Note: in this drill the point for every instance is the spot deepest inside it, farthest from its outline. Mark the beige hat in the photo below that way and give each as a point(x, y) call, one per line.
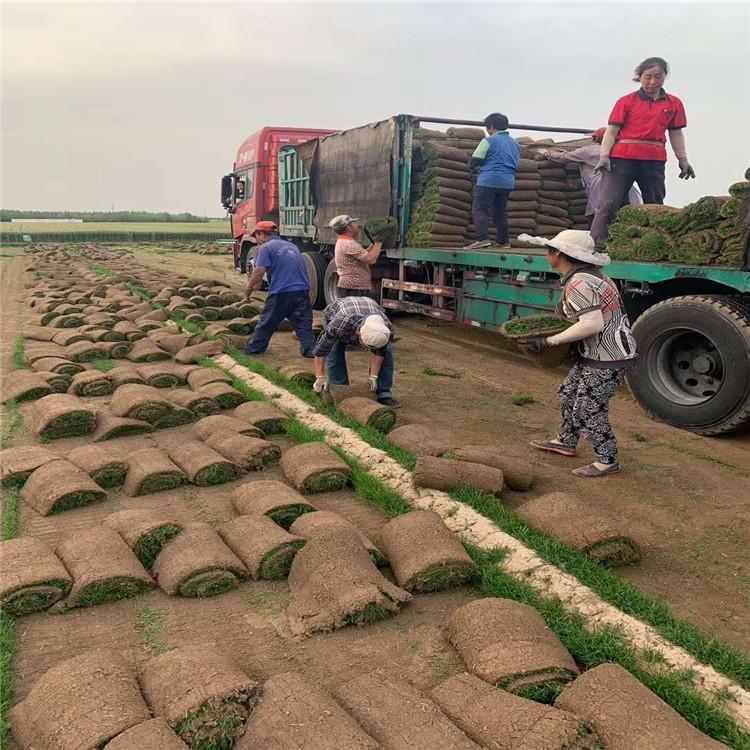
point(573, 242)
point(374, 333)
point(339, 222)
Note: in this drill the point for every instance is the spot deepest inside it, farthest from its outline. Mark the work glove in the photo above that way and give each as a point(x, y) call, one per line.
point(686, 171)
point(321, 384)
point(533, 346)
point(372, 382)
point(603, 165)
point(368, 235)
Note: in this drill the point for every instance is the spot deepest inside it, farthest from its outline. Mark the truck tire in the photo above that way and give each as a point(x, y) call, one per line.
point(693, 367)
point(331, 282)
point(315, 264)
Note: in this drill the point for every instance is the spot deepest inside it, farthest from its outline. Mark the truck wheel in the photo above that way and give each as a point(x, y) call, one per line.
point(693, 367)
point(315, 264)
point(331, 283)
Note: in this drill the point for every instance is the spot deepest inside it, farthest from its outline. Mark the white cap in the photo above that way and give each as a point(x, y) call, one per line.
point(573, 242)
point(342, 221)
point(374, 333)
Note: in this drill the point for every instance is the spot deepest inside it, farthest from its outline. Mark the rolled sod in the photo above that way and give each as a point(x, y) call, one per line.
point(58, 382)
point(517, 474)
point(448, 474)
point(25, 385)
point(57, 365)
point(40, 333)
point(334, 583)
point(698, 248)
point(101, 463)
point(108, 426)
point(398, 715)
point(164, 374)
point(314, 467)
point(145, 350)
point(175, 418)
point(103, 567)
point(191, 354)
point(197, 563)
point(123, 374)
point(153, 734)
point(91, 383)
point(271, 498)
point(263, 546)
point(533, 326)
point(294, 713)
point(84, 351)
point(117, 349)
point(129, 330)
point(315, 523)
point(240, 326)
point(201, 464)
point(705, 213)
point(150, 470)
point(424, 554)
point(223, 423)
point(508, 644)
point(369, 412)
point(33, 578)
point(199, 404)
point(141, 402)
point(201, 693)
point(627, 715)
point(582, 525)
point(298, 374)
point(499, 720)
point(217, 329)
point(204, 375)
point(145, 531)
point(17, 464)
point(422, 440)
point(59, 485)
point(226, 396)
point(251, 453)
point(266, 417)
point(80, 703)
point(35, 350)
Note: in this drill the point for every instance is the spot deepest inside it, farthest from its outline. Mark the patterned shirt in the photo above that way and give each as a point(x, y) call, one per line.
point(342, 321)
point(353, 272)
point(586, 289)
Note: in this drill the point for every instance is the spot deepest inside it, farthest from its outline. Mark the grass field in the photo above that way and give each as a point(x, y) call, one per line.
point(213, 226)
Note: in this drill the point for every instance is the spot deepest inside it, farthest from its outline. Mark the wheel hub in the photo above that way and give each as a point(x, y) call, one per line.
point(689, 367)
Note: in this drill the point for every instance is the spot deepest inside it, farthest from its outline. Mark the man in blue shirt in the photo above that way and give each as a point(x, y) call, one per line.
point(288, 290)
point(497, 156)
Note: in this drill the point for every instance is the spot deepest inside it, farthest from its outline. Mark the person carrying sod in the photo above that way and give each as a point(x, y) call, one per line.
point(288, 290)
point(353, 261)
point(355, 321)
point(606, 349)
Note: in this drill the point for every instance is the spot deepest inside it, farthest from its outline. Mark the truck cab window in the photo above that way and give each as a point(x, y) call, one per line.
point(245, 185)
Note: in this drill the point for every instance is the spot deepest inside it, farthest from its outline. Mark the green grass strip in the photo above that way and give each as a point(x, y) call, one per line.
point(12, 423)
point(19, 352)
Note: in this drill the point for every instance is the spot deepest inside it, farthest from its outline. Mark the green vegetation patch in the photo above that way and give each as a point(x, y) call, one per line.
point(111, 476)
point(217, 724)
point(286, 515)
point(111, 590)
point(175, 418)
point(36, 598)
point(72, 424)
point(276, 564)
point(165, 480)
point(103, 365)
point(19, 352)
point(210, 581)
point(440, 577)
point(327, 480)
point(148, 547)
point(535, 325)
point(218, 473)
point(77, 500)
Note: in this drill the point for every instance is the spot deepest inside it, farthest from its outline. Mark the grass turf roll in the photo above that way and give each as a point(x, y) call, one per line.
point(61, 415)
point(117, 349)
point(448, 474)
point(103, 567)
point(25, 385)
point(108, 426)
point(57, 365)
point(197, 563)
point(191, 354)
point(201, 464)
point(705, 213)
point(422, 440)
point(652, 246)
point(369, 412)
point(140, 402)
point(398, 715)
point(225, 395)
point(424, 554)
point(163, 374)
point(58, 382)
point(314, 467)
point(33, 578)
point(91, 383)
point(499, 720)
point(101, 464)
point(263, 546)
point(334, 583)
point(57, 486)
point(80, 703)
point(697, 248)
point(201, 693)
point(627, 715)
point(271, 498)
point(145, 350)
point(199, 404)
point(123, 374)
point(517, 474)
point(532, 326)
point(581, 525)
point(175, 418)
point(294, 713)
point(150, 470)
point(266, 417)
point(298, 374)
point(223, 423)
point(201, 376)
point(145, 531)
point(84, 351)
point(154, 734)
point(508, 644)
point(252, 454)
point(17, 464)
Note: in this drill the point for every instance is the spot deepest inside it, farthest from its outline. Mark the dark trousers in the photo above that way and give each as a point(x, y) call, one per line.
point(649, 175)
point(346, 292)
point(297, 309)
point(490, 203)
point(338, 373)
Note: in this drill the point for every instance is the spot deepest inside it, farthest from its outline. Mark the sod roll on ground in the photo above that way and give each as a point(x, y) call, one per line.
point(269, 497)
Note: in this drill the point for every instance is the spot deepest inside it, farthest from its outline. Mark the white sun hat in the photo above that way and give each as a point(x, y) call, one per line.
point(374, 333)
point(573, 242)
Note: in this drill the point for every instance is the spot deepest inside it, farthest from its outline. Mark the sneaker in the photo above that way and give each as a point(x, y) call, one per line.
point(478, 245)
point(504, 246)
point(389, 401)
point(308, 356)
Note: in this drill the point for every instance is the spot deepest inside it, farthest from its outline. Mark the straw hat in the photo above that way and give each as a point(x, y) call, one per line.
point(573, 242)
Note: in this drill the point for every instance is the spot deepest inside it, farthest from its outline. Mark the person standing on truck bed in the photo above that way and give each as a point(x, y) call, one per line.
point(497, 157)
point(352, 260)
point(288, 290)
point(587, 157)
point(634, 146)
point(356, 320)
point(606, 349)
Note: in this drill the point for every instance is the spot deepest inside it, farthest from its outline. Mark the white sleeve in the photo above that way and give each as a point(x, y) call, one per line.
point(588, 324)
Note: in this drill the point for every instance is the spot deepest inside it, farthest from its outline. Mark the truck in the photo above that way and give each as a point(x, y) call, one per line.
point(691, 324)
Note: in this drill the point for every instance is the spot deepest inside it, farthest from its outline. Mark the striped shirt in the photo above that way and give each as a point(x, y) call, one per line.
point(586, 289)
point(342, 321)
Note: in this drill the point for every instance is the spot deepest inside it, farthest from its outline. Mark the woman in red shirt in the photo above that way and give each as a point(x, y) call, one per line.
point(634, 146)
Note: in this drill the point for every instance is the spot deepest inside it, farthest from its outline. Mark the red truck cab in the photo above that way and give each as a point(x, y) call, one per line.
point(250, 193)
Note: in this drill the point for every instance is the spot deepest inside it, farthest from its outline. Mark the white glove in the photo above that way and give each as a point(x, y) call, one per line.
point(321, 384)
point(372, 382)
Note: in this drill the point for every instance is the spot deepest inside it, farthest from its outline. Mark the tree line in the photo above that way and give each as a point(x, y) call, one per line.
point(110, 216)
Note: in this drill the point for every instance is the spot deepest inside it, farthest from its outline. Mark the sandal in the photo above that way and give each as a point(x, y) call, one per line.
point(592, 471)
point(553, 447)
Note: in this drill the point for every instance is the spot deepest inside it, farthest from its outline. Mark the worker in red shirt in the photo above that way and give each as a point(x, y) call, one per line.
point(634, 146)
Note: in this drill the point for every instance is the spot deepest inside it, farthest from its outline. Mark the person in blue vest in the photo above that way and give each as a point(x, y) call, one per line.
point(497, 157)
point(288, 290)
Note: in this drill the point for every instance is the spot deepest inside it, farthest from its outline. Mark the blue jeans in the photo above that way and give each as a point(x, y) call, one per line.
point(296, 308)
point(339, 375)
point(490, 203)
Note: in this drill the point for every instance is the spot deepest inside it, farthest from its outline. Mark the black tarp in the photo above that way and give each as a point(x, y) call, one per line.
point(350, 173)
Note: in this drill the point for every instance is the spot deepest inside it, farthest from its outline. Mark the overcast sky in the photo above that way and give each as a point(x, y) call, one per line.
point(143, 105)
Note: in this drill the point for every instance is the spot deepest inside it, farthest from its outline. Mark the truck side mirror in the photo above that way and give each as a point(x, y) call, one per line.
point(227, 191)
